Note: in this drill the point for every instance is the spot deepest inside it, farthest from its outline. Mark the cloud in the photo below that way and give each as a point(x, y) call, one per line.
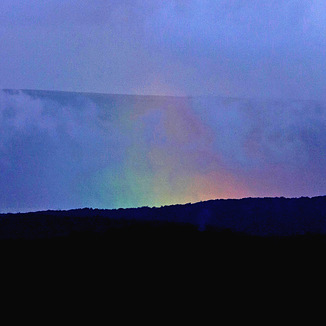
point(48, 149)
point(67, 150)
point(275, 146)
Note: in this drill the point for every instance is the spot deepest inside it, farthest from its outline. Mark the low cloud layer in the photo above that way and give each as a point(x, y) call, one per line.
point(68, 150)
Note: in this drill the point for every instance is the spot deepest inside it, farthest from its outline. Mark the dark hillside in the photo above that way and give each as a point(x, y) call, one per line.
point(250, 218)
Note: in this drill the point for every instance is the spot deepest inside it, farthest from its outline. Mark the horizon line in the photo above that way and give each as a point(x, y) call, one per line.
point(168, 205)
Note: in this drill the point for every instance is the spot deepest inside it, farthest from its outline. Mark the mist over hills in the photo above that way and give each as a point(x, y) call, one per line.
point(61, 150)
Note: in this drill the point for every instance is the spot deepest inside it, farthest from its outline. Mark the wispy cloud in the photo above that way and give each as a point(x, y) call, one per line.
point(65, 150)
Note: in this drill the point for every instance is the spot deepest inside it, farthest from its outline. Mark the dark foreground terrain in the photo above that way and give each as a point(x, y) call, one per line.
point(228, 248)
point(220, 225)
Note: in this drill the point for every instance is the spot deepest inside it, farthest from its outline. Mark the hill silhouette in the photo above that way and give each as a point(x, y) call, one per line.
point(243, 221)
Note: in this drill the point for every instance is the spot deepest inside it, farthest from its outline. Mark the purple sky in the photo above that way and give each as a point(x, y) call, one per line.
point(263, 133)
point(265, 49)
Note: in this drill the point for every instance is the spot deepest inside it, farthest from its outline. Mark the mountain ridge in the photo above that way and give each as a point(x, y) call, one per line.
point(268, 216)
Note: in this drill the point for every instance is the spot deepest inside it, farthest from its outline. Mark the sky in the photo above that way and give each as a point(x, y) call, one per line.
point(74, 150)
point(249, 119)
point(273, 49)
